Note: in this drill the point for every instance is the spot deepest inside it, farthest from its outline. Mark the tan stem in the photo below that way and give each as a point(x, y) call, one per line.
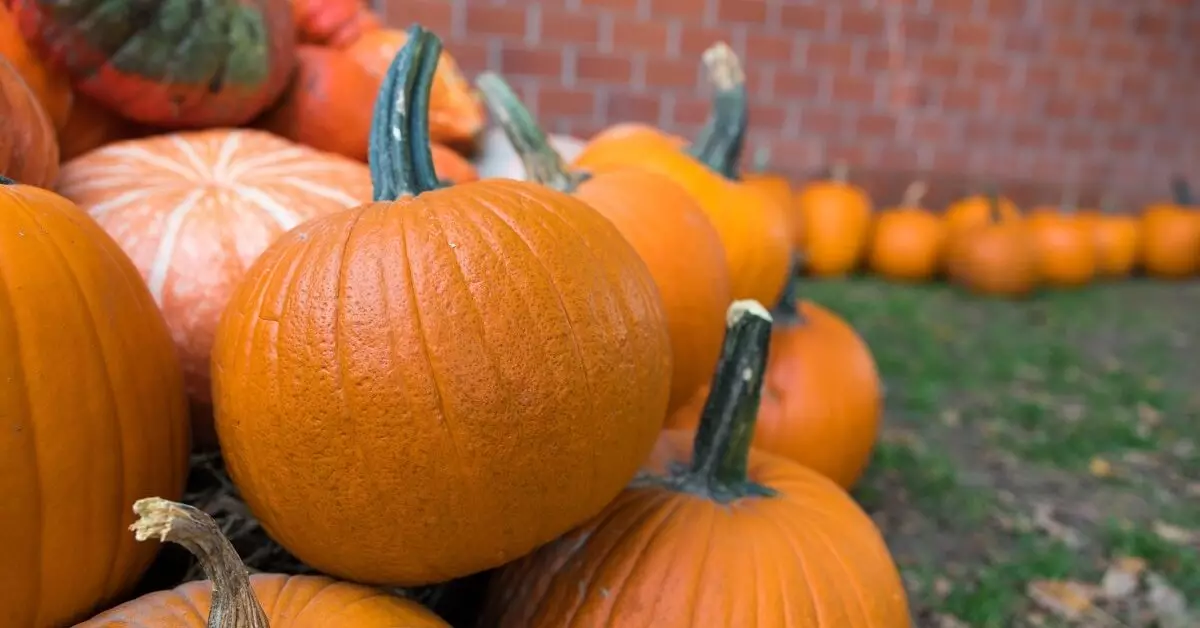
point(913, 194)
point(839, 171)
point(722, 66)
point(233, 601)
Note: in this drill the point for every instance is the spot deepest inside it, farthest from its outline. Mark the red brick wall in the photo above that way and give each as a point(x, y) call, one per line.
point(1032, 93)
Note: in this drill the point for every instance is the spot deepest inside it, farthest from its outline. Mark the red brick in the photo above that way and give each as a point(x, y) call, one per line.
point(846, 88)
point(743, 11)
point(662, 72)
point(1077, 140)
point(984, 132)
point(472, 56)
point(877, 125)
point(989, 70)
point(951, 7)
point(861, 22)
point(690, 111)
point(1118, 50)
point(764, 117)
point(830, 54)
point(973, 35)
point(435, 15)
point(639, 36)
point(765, 48)
point(815, 119)
point(1047, 75)
point(1149, 24)
point(808, 18)
point(1106, 110)
point(590, 66)
point(788, 84)
point(878, 58)
point(569, 27)
point(616, 6)
point(759, 80)
point(1066, 46)
point(1059, 16)
point(496, 20)
point(1164, 55)
point(556, 101)
point(1006, 9)
point(693, 41)
point(933, 129)
point(523, 62)
point(676, 8)
point(623, 106)
point(917, 28)
point(940, 65)
point(1107, 20)
point(1061, 106)
point(1023, 40)
point(962, 98)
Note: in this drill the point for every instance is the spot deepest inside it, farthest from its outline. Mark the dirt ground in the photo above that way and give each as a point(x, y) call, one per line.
point(1040, 463)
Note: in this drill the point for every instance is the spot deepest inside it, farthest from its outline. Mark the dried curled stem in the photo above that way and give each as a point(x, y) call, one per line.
point(913, 194)
point(233, 601)
point(722, 66)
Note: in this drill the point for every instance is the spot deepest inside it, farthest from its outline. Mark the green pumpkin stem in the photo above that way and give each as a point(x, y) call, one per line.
point(6, 181)
point(785, 312)
point(721, 448)
point(399, 155)
point(1181, 191)
point(992, 194)
point(762, 159)
point(543, 164)
point(233, 602)
point(723, 138)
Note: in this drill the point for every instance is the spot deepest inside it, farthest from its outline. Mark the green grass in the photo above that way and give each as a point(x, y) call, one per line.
point(997, 408)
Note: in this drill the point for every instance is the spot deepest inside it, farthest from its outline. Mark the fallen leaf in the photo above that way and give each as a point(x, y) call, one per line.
point(1148, 414)
point(1175, 534)
point(942, 587)
point(1066, 599)
point(951, 418)
point(1169, 605)
point(1122, 577)
point(1100, 468)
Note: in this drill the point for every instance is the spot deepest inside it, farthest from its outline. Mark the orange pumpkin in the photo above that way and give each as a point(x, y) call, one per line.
point(336, 23)
point(243, 601)
point(1171, 235)
point(1117, 239)
point(1064, 246)
point(907, 241)
point(195, 209)
point(837, 224)
point(822, 398)
point(94, 411)
point(779, 189)
point(658, 218)
point(52, 89)
point(451, 166)
point(994, 258)
point(970, 212)
point(666, 551)
point(489, 361)
point(635, 130)
point(455, 111)
point(753, 230)
point(28, 146)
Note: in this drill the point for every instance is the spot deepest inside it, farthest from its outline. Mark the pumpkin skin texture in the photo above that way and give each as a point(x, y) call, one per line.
point(837, 224)
point(52, 89)
point(1064, 248)
point(455, 111)
point(494, 357)
point(907, 241)
point(996, 258)
point(95, 414)
point(195, 209)
point(659, 218)
point(223, 68)
point(1117, 240)
point(779, 189)
point(1171, 236)
point(28, 146)
point(708, 506)
point(753, 229)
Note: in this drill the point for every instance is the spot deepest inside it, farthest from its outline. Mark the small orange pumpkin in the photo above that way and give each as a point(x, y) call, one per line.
point(994, 258)
point(28, 144)
point(52, 89)
point(450, 166)
point(822, 398)
point(1171, 235)
point(780, 190)
point(229, 598)
point(666, 551)
point(837, 223)
point(1064, 245)
point(753, 230)
point(489, 361)
point(970, 212)
point(1117, 239)
point(658, 218)
point(908, 240)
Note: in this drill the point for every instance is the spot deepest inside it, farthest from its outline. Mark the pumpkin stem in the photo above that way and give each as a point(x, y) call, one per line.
point(723, 138)
point(399, 155)
point(913, 194)
point(722, 446)
point(785, 313)
point(839, 172)
point(992, 194)
point(543, 165)
point(1181, 191)
point(6, 181)
point(762, 158)
point(233, 601)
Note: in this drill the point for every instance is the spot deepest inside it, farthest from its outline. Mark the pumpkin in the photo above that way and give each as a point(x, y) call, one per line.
point(1117, 239)
point(28, 146)
point(336, 23)
point(232, 599)
point(658, 218)
point(975, 210)
point(994, 258)
point(495, 157)
point(1064, 246)
point(713, 533)
point(1171, 235)
point(94, 411)
point(52, 89)
point(837, 223)
point(638, 130)
point(489, 361)
point(779, 189)
point(91, 125)
point(907, 241)
point(167, 67)
point(195, 209)
point(455, 111)
point(325, 106)
point(450, 166)
point(822, 397)
point(753, 230)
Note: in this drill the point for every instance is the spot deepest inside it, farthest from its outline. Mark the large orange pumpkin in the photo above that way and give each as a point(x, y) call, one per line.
point(907, 241)
point(52, 89)
point(976, 210)
point(467, 372)
point(780, 190)
point(822, 398)
point(456, 114)
point(335, 23)
point(713, 533)
point(195, 209)
point(1117, 239)
point(994, 258)
point(28, 146)
point(1171, 235)
point(837, 224)
point(94, 411)
point(1063, 244)
point(241, 601)
point(753, 230)
point(658, 218)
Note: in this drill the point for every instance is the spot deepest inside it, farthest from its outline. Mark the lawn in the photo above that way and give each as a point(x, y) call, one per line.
point(1031, 447)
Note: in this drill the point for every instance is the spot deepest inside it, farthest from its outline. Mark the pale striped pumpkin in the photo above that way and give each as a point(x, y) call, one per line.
point(195, 209)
